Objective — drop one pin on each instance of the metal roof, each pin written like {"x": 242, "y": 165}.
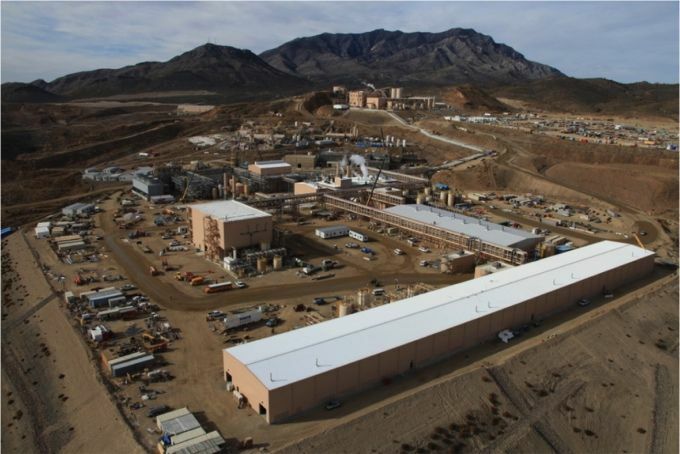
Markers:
{"x": 133, "y": 362}
{"x": 229, "y": 210}
{"x": 188, "y": 435}
{"x": 458, "y": 223}
{"x": 170, "y": 415}
{"x": 289, "y": 357}
{"x": 205, "y": 444}
{"x": 332, "y": 228}
{"x": 179, "y": 424}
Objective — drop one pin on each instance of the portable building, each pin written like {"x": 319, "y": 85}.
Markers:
{"x": 334, "y": 231}
{"x": 178, "y": 424}
{"x": 78, "y": 209}
{"x": 186, "y": 436}
{"x": 103, "y": 297}
{"x": 244, "y": 318}
{"x": 358, "y": 235}
{"x": 122, "y": 359}
{"x": 42, "y": 232}
{"x": 133, "y": 365}
{"x": 209, "y": 443}
{"x": 74, "y": 245}
{"x": 283, "y": 375}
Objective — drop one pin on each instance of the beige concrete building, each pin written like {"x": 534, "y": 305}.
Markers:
{"x": 270, "y": 168}
{"x": 283, "y": 375}
{"x": 376, "y": 102}
{"x": 301, "y": 161}
{"x": 357, "y": 98}
{"x": 219, "y": 227}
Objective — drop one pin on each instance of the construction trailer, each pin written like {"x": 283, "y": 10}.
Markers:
{"x": 283, "y": 375}
{"x": 334, "y": 231}
{"x": 358, "y": 235}
{"x": 131, "y": 363}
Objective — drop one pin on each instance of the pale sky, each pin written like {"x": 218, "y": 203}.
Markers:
{"x": 623, "y": 41}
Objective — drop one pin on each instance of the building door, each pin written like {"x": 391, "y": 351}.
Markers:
{"x": 263, "y": 411}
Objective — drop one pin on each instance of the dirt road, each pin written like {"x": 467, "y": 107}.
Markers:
{"x": 53, "y": 398}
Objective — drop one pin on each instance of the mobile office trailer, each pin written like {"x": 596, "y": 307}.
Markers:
{"x": 334, "y": 231}
{"x": 221, "y": 287}
{"x": 358, "y": 236}
{"x": 244, "y": 318}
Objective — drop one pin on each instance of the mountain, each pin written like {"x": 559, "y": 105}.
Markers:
{"x": 456, "y": 56}
{"x": 605, "y": 96}
{"x": 26, "y": 93}
{"x": 221, "y": 69}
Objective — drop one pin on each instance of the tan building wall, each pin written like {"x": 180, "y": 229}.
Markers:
{"x": 376, "y": 102}
{"x": 302, "y": 187}
{"x": 233, "y": 234}
{"x": 357, "y": 98}
{"x": 301, "y": 161}
{"x": 297, "y": 397}
{"x": 269, "y": 171}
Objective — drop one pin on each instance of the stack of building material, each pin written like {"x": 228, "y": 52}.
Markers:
{"x": 183, "y": 434}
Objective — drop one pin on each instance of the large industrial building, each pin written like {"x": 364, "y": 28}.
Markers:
{"x": 469, "y": 226}
{"x": 220, "y": 227}
{"x": 286, "y": 374}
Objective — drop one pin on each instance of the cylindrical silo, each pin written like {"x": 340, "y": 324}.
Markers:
{"x": 262, "y": 264}
{"x": 451, "y": 199}
{"x": 277, "y": 262}
{"x": 215, "y": 193}
{"x": 344, "y": 308}
{"x": 420, "y": 198}
{"x": 442, "y": 196}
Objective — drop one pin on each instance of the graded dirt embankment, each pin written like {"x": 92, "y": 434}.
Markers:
{"x": 53, "y": 400}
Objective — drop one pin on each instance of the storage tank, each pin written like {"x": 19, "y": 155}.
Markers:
{"x": 215, "y": 193}
{"x": 442, "y": 196}
{"x": 277, "y": 262}
{"x": 409, "y": 291}
{"x": 420, "y": 198}
{"x": 220, "y": 191}
{"x": 246, "y": 190}
{"x": 481, "y": 271}
{"x": 262, "y": 264}
{"x": 265, "y": 245}
{"x": 451, "y": 199}
{"x": 428, "y": 190}
{"x": 363, "y": 297}
{"x": 344, "y": 308}
{"x": 547, "y": 249}
{"x": 444, "y": 266}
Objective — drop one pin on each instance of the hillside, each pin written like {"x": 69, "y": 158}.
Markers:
{"x": 220, "y": 69}
{"x": 451, "y": 57}
{"x": 21, "y": 93}
{"x": 567, "y": 94}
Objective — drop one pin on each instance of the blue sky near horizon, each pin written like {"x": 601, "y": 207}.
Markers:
{"x": 623, "y": 41}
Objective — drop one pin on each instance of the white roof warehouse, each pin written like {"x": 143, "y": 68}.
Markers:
{"x": 472, "y": 227}
{"x": 390, "y": 339}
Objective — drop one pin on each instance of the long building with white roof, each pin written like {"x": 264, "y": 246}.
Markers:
{"x": 286, "y": 374}
{"x": 472, "y": 227}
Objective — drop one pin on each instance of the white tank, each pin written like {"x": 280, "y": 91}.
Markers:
{"x": 277, "y": 262}
{"x": 420, "y": 198}
{"x": 451, "y": 199}
{"x": 344, "y": 308}
{"x": 262, "y": 264}
{"x": 442, "y": 196}
{"x": 363, "y": 297}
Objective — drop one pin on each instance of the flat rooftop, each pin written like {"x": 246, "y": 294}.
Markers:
{"x": 229, "y": 210}
{"x": 296, "y": 355}
{"x": 272, "y": 164}
{"x": 466, "y": 225}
